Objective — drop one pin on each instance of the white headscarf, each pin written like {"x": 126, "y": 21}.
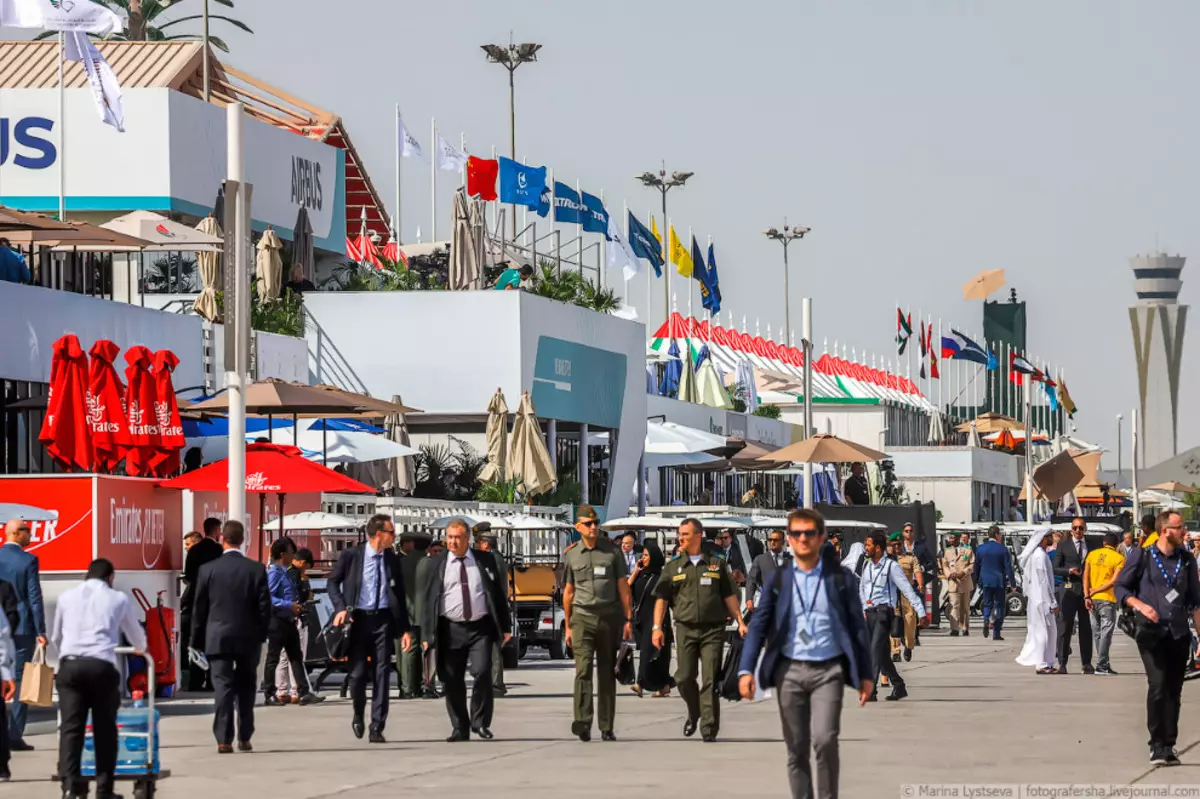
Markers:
{"x": 857, "y": 550}
{"x": 1034, "y": 544}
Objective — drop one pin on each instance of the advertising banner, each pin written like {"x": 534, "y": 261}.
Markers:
{"x": 215, "y": 504}
{"x": 65, "y": 545}
{"x": 138, "y": 524}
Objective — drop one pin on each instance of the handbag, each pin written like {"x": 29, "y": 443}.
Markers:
{"x": 1130, "y": 621}
{"x": 337, "y": 640}
{"x": 626, "y": 675}
{"x": 37, "y": 681}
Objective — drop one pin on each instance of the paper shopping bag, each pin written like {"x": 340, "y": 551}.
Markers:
{"x": 37, "y": 681}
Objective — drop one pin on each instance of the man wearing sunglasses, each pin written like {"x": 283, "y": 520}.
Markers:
{"x": 1069, "y": 560}
{"x": 762, "y": 570}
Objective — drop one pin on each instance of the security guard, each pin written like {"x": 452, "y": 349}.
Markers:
{"x": 904, "y": 624}
{"x": 598, "y": 608}
{"x": 700, "y": 590}
{"x": 958, "y": 564}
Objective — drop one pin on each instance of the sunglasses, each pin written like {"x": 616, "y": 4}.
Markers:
{"x": 1078, "y": 529}
{"x": 588, "y": 522}
{"x": 813, "y": 533}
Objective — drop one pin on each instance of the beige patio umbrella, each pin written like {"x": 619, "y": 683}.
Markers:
{"x": 400, "y": 470}
{"x": 824, "y": 448}
{"x": 710, "y": 392}
{"x": 209, "y": 264}
{"x": 269, "y": 272}
{"x": 529, "y": 458}
{"x": 465, "y": 260}
{"x": 1173, "y": 487}
{"x": 688, "y": 390}
{"x": 983, "y": 284}
{"x": 990, "y": 422}
{"x": 496, "y": 468}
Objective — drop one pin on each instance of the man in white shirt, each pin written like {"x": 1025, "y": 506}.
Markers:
{"x": 629, "y": 552}
{"x": 88, "y": 625}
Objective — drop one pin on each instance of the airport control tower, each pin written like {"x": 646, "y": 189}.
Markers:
{"x": 1158, "y": 322}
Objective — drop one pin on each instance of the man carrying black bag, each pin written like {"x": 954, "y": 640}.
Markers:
{"x": 1160, "y": 584}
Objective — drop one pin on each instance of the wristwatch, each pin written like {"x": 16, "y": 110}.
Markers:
{"x": 658, "y": 627}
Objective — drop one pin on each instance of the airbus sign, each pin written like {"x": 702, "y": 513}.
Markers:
{"x": 20, "y": 138}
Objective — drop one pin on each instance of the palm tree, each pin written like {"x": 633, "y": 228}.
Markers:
{"x": 144, "y": 24}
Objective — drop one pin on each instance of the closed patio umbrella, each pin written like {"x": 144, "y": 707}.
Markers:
{"x": 400, "y": 470}
{"x": 709, "y": 390}
{"x": 465, "y": 257}
{"x": 497, "y": 440}
{"x": 269, "y": 273}
{"x": 688, "y": 390}
{"x": 209, "y": 264}
{"x": 529, "y": 459}
{"x": 302, "y": 243}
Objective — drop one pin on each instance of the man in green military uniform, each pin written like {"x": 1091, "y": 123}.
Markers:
{"x": 408, "y": 664}
{"x": 485, "y": 540}
{"x": 598, "y": 607}
{"x": 700, "y": 591}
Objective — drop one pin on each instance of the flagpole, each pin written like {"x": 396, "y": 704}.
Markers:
{"x": 579, "y": 248}
{"x": 62, "y": 130}
{"x": 399, "y": 144}
{"x": 433, "y": 166}
{"x": 691, "y": 279}
{"x": 462, "y": 173}
{"x": 602, "y": 250}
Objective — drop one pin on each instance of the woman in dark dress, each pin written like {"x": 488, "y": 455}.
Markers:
{"x": 654, "y": 665}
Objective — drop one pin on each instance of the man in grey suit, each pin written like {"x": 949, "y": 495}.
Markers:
{"x": 762, "y": 569}
{"x": 20, "y": 569}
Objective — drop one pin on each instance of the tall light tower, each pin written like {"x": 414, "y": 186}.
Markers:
{"x": 664, "y": 184}
{"x": 1158, "y": 323}
{"x": 510, "y": 58}
{"x": 786, "y": 237}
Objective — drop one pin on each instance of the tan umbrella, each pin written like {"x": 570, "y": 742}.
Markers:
{"x": 400, "y": 470}
{"x": 529, "y": 458}
{"x": 688, "y": 390}
{"x": 210, "y": 272}
{"x": 1173, "y": 487}
{"x": 983, "y": 284}
{"x": 824, "y": 448}
{"x": 478, "y": 237}
{"x": 710, "y": 392}
{"x": 279, "y": 397}
{"x": 990, "y": 422}
{"x": 497, "y": 440}
{"x": 465, "y": 263}
{"x": 367, "y": 403}
{"x": 269, "y": 273}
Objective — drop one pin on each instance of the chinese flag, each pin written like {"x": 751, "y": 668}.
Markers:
{"x": 481, "y": 177}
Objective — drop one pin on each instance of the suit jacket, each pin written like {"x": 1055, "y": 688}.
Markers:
{"x": 20, "y": 568}
{"x": 769, "y": 624}
{"x": 762, "y": 571}
{"x": 499, "y": 618}
{"x": 205, "y": 551}
{"x": 1067, "y": 558}
{"x": 232, "y": 609}
{"x": 408, "y": 567}
{"x": 993, "y": 566}
{"x": 345, "y": 583}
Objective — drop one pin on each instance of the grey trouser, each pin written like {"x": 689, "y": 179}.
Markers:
{"x": 1104, "y": 620}
{"x": 810, "y": 707}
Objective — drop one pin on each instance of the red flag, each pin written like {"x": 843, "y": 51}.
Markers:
{"x": 933, "y": 367}
{"x": 165, "y": 460}
{"x": 107, "y": 421}
{"x": 139, "y": 403}
{"x": 481, "y": 177}
{"x": 65, "y": 429}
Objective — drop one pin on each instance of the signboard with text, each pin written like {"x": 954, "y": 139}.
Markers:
{"x": 215, "y": 504}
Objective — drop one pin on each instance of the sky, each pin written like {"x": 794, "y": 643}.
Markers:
{"x": 922, "y": 141}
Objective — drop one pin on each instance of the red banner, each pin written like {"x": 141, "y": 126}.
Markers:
{"x": 64, "y": 545}
{"x": 216, "y": 504}
{"x": 139, "y": 525}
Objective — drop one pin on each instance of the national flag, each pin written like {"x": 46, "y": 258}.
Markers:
{"x": 568, "y": 208}
{"x": 521, "y": 184}
{"x": 710, "y": 286}
{"x": 679, "y": 254}
{"x": 933, "y": 364}
{"x": 642, "y": 242}
{"x": 1064, "y": 399}
{"x": 1051, "y": 395}
{"x": 409, "y": 146}
{"x": 449, "y": 157}
{"x": 701, "y": 274}
{"x": 658, "y": 237}
{"x": 1017, "y": 367}
{"x": 56, "y": 15}
{"x": 105, "y": 89}
{"x": 924, "y": 348}
{"x": 958, "y": 347}
{"x": 620, "y": 253}
{"x": 595, "y": 217}
{"x": 481, "y": 177}
{"x": 903, "y": 331}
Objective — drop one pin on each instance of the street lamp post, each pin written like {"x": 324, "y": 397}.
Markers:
{"x": 1120, "y": 474}
{"x": 664, "y": 184}
{"x": 511, "y": 57}
{"x": 786, "y": 237}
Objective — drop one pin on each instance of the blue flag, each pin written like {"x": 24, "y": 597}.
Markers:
{"x": 567, "y": 207}
{"x": 521, "y": 184}
{"x": 544, "y": 202}
{"x": 644, "y": 244}
{"x": 706, "y": 275}
{"x": 595, "y": 218}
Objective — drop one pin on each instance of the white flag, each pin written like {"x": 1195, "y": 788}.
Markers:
{"x": 449, "y": 157}
{"x": 620, "y": 253}
{"x": 408, "y": 145}
{"x": 105, "y": 89}
{"x": 60, "y": 15}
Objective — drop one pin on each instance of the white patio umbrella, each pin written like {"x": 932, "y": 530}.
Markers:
{"x": 497, "y": 522}
{"x": 523, "y": 521}
{"x": 269, "y": 266}
{"x": 529, "y": 458}
{"x": 209, "y": 264}
{"x": 335, "y": 446}
{"x": 313, "y": 520}
{"x": 937, "y": 429}
{"x": 30, "y": 513}
{"x": 497, "y": 441}
{"x": 643, "y": 522}
{"x": 671, "y": 438}
{"x": 973, "y": 436}
{"x": 745, "y": 378}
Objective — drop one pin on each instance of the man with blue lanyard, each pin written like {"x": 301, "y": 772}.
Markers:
{"x": 881, "y": 584}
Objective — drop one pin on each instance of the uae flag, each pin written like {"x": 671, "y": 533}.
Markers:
{"x": 903, "y": 331}
{"x": 1018, "y": 367}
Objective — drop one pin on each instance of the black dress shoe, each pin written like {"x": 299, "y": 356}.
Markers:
{"x": 689, "y": 728}
{"x": 583, "y": 731}
{"x": 245, "y": 746}
{"x": 708, "y": 739}
{"x": 608, "y": 735}
{"x": 873, "y": 698}
{"x": 954, "y": 633}
{"x": 966, "y": 633}
{"x": 898, "y": 692}
{"x": 376, "y": 737}
{"x": 1088, "y": 670}
{"x": 997, "y": 638}
{"x": 357, "y": 726}
{"x": 483, "y": 732}
{"x": 458, "y": 736}
{"x": 224, "y": 749}
{"x": 272, "y": 701}
{"x": 20, "y": 746}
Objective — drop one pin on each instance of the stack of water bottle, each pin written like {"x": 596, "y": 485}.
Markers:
{"x": 133, "y": 737}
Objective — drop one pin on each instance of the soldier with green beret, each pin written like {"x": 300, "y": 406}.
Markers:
{"x": 598, "y": 607}
{"x": 700, "y": 590}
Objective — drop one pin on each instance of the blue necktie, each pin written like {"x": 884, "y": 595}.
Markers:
{"x": 378, "y": 581}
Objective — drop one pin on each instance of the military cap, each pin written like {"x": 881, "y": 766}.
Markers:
{"x": 586, "y": 512}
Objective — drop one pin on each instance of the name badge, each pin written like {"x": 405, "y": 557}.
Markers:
{"x": 678, "y": 577}
{"x": 804, "y": 637}
{"x": 705, "y": 581}
{"x": 1172, "y": 595}
{"x": 599, "y": 571}
{"x": 712, "y": 574}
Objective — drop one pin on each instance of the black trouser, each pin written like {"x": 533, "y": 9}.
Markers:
{"x": 87, "y": 685}
{"x": 233, "y": 691}
{"x": 5, "y": 747}
{"x": 370, "y": 637}
{"x": 1072, "y": 608}
{"x": 197, "y": 679}
{"x": 283, "y": 635}
{"x": 460, "y": 644}
{"x": 879, "y": 626}
{"x": 1165, "y": 663}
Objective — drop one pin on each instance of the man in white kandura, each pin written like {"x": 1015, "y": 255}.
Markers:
{"x": 1041, "y": 630}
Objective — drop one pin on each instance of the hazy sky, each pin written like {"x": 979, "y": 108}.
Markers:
{"x": 922, "y": 142}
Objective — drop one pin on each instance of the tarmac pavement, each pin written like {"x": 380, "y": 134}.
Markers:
{"x": 973, "y": 716}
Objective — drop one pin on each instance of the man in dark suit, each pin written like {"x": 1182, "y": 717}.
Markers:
{"x": 367, "y": 589}
{"x": 993, "y": 574}
{"x": 1068, "y": 564}
{"x": 230, "y": 619}
{"x": 466, "y": 613}
{"x": 20, "y": 569}
{"x": 408, "y": 665}
{"x": 206, "y": 550}
{"x": 762, "y": 570}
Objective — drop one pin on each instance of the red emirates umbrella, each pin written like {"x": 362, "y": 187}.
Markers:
{"x": 139, "y": 402}
{"x": 165, "y": 460}
{"x": 271, "y": 469}
{"x": 107, "y": 423}
{"x": 65, "y": 428}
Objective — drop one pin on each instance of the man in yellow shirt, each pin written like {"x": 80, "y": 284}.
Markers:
{"x": 1100, "y": 571}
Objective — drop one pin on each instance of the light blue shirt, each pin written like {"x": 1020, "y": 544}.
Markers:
{"x": 370, "y": 594}
{"x": 812, "y": 629}
{"x": 280, "y": 587}
{"x": 881, "y": 583}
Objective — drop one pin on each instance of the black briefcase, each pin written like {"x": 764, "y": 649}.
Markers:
{"x": 337, "y": 640}
{"x": 626, "y": 674}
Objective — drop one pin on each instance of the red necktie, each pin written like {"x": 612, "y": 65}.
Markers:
{"x": 465, "y": 585}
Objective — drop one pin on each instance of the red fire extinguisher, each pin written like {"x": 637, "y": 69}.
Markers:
{"x": 161, "y": 639}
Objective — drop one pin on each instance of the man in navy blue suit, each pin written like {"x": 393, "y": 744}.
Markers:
{"x": 20, "y": 569}
{"x": 810, "y": 630}
{"x": 993, "y": 574}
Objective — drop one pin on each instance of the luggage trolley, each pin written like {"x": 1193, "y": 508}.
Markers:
{"x": 145, "y": 776}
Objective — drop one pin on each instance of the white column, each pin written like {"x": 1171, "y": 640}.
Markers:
{"x": 806, "y": 344}
{"x": 235, "y": 376}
